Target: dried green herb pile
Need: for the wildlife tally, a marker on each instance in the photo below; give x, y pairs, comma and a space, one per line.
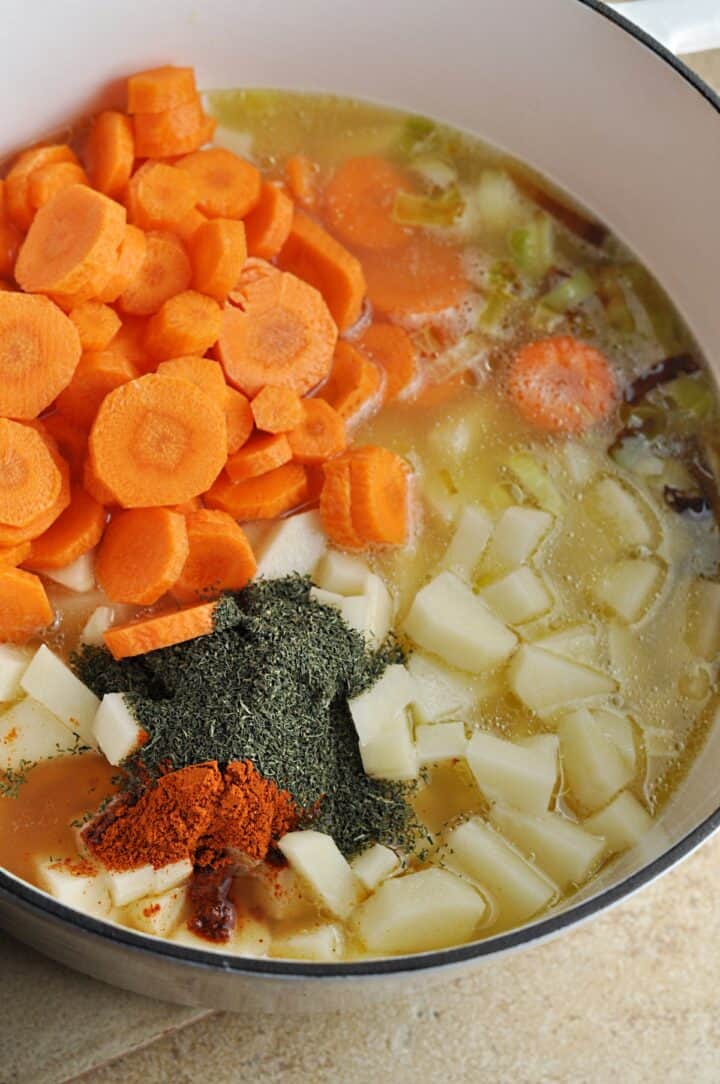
270, 685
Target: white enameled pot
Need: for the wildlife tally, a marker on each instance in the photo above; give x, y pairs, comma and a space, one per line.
568, 86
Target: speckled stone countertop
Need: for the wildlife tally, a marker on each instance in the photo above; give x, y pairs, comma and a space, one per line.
630, 997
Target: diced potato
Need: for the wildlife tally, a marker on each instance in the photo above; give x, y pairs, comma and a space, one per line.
13, 664
594, 768
439, 693
518, 888
295, 544
440, 741
390, 753
623, 822
443, 500
468, 543
546, 749
506, 771
50, 681
249, 938
614, 504
453, 437
370, 613
78, 576
703, 633
580, 462
578, 642
321, 943
619, 729
97, 624
327, 598
545, 681
374, 865
449, 620
115, 730
278, 892
28, 731
86, 892
496, 203
317, 859
563, 850
341, 574
381, 702
129, 885
156, 915
419, 912
628, 587
171, 876
518, 597
517, 535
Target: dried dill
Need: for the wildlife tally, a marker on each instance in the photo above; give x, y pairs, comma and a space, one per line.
11, 779
270, 685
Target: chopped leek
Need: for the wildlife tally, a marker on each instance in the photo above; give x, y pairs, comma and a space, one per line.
692, 394
569, 293
410, 209
535, 480
417, 132
437, 173
497, 308
532, 247
612, 294
633, 454
496, 201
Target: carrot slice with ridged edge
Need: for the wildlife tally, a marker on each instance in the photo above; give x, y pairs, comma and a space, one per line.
188, 323
159, 196
228, 186
277, 410
189, 224
75, 532
141, 555
359, 200
161, 630
17, 202
277, 331
164, 271
71, 441
24, 606
353, 382
15, 536
425, 276
220, 558
435, 394
97, 489
157, 441
130, 342
39, 352
12, 556
270, 495
320, 435
109, 152
379, 487
98, 373
217, 253
205, 373
178, 130
260, 454
130, 258
10, 237
238, 418
336, 505
269, 223
393, 350
96, 324
156, 89
47, 181
30, 480
301, 175
314, 256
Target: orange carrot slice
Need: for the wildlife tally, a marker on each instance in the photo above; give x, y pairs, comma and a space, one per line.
379, 486
39, 351
98, 373
12, 556
30, 481
217, 253
10, 241
96, 324
353, 382
75, 532
205, 373
320, 435
109, 152
260, 454
265, 497
187, 227
359, 199
336, 506
220, 557
188, 323
141, 555
131, 255
277, 410
301, 175
161, 630
164, 272
227, 185
268, 224
178, 130
159, 196
158, 89
313, 255
24, 607
393, 350
45, 182
436, 394
238, 418
15, 536
425, 276
17, 202
97, 489
562, 385
157, 441
279, 333
71, 441
130, 342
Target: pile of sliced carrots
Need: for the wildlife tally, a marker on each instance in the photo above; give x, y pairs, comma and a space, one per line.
170, 361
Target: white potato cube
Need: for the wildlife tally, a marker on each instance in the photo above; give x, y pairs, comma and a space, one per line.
419, 912
278, 892
374, 865
28, 731
115, 730
518, 597
13, 664
157, 915
517, 887
496, 202
327, 598
659, 741
517, 535
703, 632
623, 822
171, 876
629, 586
129, 885
317, 859
440, 741
97, 624
560, 848
468, 543
250, 938
594, 767
578, 642
612, 503
379, 704
580, 462
439, 693
509, 772
370, 613
440, 496
78, 576
341, 574
544, 681
70, 883
546, 749
448, 619
390, 753
619, 729
295, 544
50, 681
320, 943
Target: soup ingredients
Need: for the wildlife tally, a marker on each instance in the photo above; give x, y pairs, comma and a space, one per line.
158, 89
29, 478
365, 498
39, 351
267, 496
425, 276
76, 531
109, 152
277, 409
227, 186
142, 554
178, 130
562, 385
261, 454
268, 224
359, 200
218, 252
313, 255
219, 559
390, 347
96, 323
319, 433
353, 383
162, 630
24, 606
163, 272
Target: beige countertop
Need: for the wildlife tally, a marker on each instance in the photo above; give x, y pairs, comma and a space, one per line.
630, 997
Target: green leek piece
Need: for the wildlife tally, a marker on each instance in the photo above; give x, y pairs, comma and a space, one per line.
535, 480
692, 394
417, 132
612, 294
569, 293
532, 247
410, 209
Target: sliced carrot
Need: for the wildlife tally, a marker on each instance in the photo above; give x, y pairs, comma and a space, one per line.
10, 241
141, 555
353, 382
39, 351
336, 505
426, 276
17, 202
359, 199
265, 497
268, 224
190, 223
97, 489
164, 272
71, 441
159, 196
157, 441
131, 255
45, 182
315, 480
254, 270
98, 373
161, 630
30, 480
12, 556
72, 244
130, 342
260, 454
24, 606
178, 130
320, 435
217, 253
379, 486
393, 350
158, 89
109, 152
278, 331
313, 255
188, 323
96, 323
205, 373
15, 536
220, 558
435, 394
302, 175
277, 410
185, 509
238, 418
75, 532
562, 385
228, 186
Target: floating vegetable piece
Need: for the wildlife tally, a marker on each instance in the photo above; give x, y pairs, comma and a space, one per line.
562, 384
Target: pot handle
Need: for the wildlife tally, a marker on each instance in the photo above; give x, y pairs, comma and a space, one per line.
683, 26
